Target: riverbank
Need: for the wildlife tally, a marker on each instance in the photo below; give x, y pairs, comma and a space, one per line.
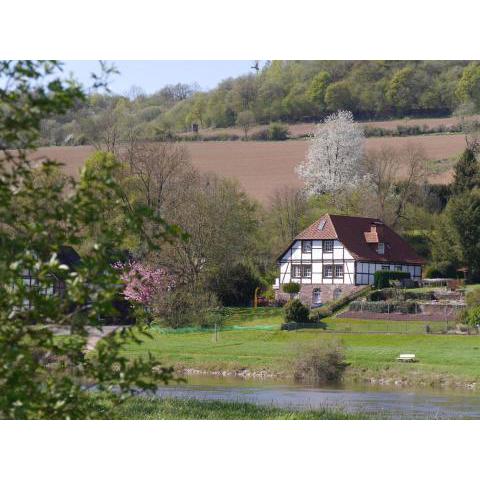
352, 376
147, 408
450, 361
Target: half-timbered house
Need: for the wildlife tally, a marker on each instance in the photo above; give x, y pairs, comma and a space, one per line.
339, 254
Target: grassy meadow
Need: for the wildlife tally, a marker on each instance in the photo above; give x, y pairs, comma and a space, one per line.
441, 358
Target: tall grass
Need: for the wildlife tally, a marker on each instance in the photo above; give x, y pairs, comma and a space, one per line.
146, 408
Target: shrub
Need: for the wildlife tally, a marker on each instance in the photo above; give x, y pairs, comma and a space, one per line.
441, 270
473, 297
384, 307
320, 363
319, 313
408, 295
277, 131
472, 316
398, 294
382, 277
260, 135
296, 311
234, 286
183, 308
381, 295
291, 288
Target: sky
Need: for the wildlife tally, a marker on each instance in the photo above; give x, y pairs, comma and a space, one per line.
152, 75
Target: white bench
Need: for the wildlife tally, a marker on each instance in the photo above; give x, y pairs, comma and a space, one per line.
407, 357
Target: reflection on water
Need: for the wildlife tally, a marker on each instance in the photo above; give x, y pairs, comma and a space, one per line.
386, 401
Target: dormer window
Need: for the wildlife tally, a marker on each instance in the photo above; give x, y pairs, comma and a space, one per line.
380, 248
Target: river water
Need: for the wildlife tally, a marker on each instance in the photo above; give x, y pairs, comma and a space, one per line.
387, 402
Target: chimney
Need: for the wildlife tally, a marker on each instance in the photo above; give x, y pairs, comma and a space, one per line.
377, 227
375, 235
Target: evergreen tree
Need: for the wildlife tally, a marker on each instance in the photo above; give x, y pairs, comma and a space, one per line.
467, 173
457, 237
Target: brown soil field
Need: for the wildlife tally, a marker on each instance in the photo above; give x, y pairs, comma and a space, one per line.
298, 129
263, 167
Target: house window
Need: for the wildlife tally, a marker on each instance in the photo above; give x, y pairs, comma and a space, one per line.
337, 293
316, 296
385, 267
296, 271
338, 271
306, 271
327, 271
381, 248
328, 246
398, 268
306, 246
301, 271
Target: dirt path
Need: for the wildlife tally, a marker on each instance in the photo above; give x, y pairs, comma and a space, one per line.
94, 334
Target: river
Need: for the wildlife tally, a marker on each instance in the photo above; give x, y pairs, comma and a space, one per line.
387, 402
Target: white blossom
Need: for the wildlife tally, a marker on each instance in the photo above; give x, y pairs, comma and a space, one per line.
334, 159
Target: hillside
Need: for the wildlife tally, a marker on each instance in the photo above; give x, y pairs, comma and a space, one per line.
293, 92
262, 167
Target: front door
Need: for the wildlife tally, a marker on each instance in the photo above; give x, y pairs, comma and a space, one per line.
316, 296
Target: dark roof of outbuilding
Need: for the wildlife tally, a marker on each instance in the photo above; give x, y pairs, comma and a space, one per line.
356, 234
68, 256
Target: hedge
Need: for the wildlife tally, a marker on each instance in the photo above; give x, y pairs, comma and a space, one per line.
291, 288
384, 307
298, 326
296, 311
330, 308
382, 277
398, 294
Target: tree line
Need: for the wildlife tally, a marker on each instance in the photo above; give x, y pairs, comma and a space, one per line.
282, 91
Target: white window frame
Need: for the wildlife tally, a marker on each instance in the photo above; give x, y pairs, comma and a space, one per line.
329, 267
386, 268
381, 248
296, 266
328, 242
335, 271
302, 268
307, 266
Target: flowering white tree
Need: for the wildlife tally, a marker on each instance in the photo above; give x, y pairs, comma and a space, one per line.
334, 159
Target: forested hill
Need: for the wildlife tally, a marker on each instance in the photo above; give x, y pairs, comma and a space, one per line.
287, 91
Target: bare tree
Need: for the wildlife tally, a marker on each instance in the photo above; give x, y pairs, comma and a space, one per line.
393, 178
381, 167
157, 174
245, 120
288, 205
103, 130
219, 219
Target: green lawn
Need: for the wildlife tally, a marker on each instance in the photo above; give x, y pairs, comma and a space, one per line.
142, 408
440, 356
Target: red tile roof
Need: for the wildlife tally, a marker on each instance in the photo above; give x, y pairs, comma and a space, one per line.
360, 240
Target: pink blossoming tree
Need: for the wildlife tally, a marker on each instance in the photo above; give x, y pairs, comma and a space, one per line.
143, 282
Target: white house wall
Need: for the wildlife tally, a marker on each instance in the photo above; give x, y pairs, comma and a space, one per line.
362, 274
366, 271
317, 258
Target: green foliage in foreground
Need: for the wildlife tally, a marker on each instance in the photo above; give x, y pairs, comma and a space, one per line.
41, 377
144, 408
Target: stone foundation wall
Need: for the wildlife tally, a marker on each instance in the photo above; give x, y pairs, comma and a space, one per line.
327, 292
